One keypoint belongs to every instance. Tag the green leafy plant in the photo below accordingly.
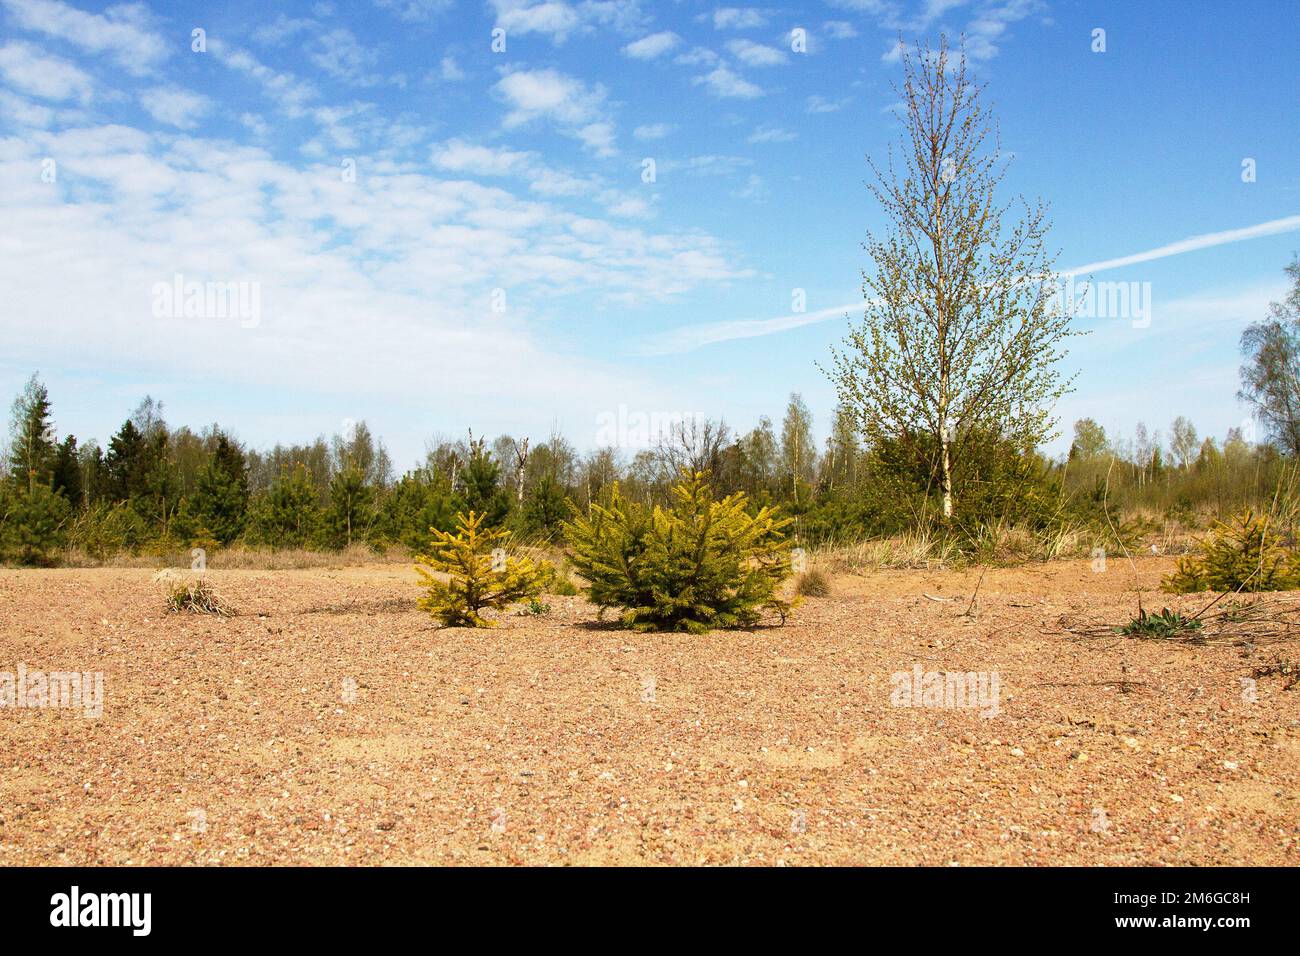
(1244, 555)
(1162, 624)
(480, 574)
(697, 565)
(535, 608)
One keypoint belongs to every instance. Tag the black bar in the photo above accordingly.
(330, 906)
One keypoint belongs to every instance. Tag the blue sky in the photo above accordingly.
(499, 259)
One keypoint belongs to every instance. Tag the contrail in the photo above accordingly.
(687, 338)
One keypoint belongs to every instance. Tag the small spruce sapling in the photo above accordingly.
(481, 575)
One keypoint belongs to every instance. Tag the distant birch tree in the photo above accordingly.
(962, 330)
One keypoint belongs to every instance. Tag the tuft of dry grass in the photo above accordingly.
(812, 583)
(196, 597)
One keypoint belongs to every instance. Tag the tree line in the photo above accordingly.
(156, 488)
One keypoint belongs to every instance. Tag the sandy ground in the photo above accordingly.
(331, 723)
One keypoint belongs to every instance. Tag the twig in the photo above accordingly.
(969, 607)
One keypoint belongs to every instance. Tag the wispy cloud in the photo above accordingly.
(32, 70)
(124, 32)
(652, 46)
(756, 54)
(689, 338)
(739, 18)
(1204, 241)
(577, 109)
(175, 106)
(724, 83)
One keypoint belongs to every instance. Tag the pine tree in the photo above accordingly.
(31, 445)
(420, 502)
(125, 462)
(66, 471)
(33, 523)
(699, 565)
(287, 516)
(545, 505)
(351, 512)
(482, 490)
(219, 507)
(480, 574)
(1244, 555)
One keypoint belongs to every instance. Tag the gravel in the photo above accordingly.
(330, 722)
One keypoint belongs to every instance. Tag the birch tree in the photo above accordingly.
(962, 330)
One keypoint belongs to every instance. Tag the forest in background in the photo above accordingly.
(158, 489)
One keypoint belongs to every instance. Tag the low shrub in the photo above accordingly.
(697, 565)
(1243, 555)
(480, 574)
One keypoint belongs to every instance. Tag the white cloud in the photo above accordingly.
(839, 30)
(653, 131)
(361, 323)
(459, 156)
(34, 71)
(598, 137)
(756, 54)
(1206, 240)
(339, 53)
(723, 82)
(738, 18)
(415, 11)
(864, 6)
(291, 93)
(25, 113)
(649, 47)
(754, 188)
(771, 134)
(710, 164)
(175, 106)
(451, 72)
(551, 17)
(578, 110)
(819, 104)
(630, 207)
(281, 29)
(697, 56)
(123, 32)
(546, 93)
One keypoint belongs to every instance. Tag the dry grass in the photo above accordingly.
(812, 583)
(916, 549)
(243, 558)
(196, 597)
